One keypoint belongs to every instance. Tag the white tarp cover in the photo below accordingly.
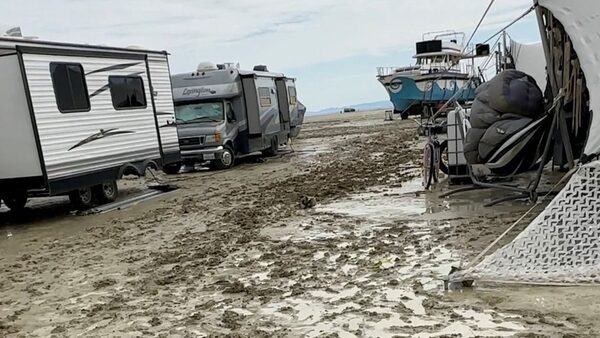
(560, 246)
(530, 59)
(581, 19)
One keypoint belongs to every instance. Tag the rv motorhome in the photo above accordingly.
(223, 112)
(75, 118)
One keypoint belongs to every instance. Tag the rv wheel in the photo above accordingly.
(82, 199)
(226, 161)
(106, 192)
(172, 169)
(15, 200)
(273, 149)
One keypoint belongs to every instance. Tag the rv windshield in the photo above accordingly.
(199, 112)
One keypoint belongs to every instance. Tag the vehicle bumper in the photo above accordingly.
(202, 155)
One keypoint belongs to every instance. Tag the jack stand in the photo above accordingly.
(389, 115)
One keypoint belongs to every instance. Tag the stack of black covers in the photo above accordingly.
(503, 106)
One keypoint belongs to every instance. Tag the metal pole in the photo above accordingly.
(499, 66)
(505, 49)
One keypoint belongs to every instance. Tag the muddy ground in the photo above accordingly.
(334, 238)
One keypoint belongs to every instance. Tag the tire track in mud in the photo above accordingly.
(251, 253)
(231, 239)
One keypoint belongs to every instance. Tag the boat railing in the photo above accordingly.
(458, 69)
(385, 71)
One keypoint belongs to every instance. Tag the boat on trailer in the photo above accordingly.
(441, 72)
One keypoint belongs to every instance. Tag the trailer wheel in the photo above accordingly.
(106, 192)
(227, 159)
(172, 169)
(82, 199)
(15, 200)
(428, 170)
(273, 149)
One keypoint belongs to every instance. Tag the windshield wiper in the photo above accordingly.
(202, 118)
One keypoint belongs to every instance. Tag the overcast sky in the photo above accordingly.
(331, 46)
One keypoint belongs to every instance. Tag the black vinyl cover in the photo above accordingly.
(503, 106)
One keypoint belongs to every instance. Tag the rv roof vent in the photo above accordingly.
(135, 47)
(205, 66)
(221, 66)
(14, 32)
(260, 68)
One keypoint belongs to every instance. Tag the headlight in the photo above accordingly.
(216, 138)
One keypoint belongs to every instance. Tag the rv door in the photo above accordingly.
(284, 104)
(252, 108)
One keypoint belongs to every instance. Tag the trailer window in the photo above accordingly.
(127, 92)
(264, 94)
(292, 93)
(70, 88)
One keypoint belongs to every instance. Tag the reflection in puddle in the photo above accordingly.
(381, 207)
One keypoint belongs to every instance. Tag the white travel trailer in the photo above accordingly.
(75, 118)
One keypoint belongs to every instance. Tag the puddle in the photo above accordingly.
(398, 203)
(361, 123)
(401, 309)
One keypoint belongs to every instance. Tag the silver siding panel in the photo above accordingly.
(60, 132)
(161, 83)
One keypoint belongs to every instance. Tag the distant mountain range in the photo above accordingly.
(360, 107)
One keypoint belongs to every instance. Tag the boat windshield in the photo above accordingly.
(431, 59)
(200, 112)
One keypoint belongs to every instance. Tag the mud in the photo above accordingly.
(333, 238)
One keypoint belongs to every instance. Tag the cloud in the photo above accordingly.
(291, 36)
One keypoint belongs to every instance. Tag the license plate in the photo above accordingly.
(209, 156)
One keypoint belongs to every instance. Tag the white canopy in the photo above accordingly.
(581, 21)
(530, 59)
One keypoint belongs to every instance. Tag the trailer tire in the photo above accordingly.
(444, 165)
(106, 192)
(227, 159)
(82, 199)
(172, 169)
(15, 200)
(273, 149)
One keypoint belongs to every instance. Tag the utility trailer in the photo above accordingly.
(76, 118)
(224, 112)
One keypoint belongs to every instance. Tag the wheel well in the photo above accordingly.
(230, 144)
(149, 164)
(137, 169)
(128, 169)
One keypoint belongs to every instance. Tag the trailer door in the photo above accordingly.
(252, 108)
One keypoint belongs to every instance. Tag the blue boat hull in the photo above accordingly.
(406, 93)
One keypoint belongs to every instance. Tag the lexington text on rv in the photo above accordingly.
(223, 113)
(75, 118)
